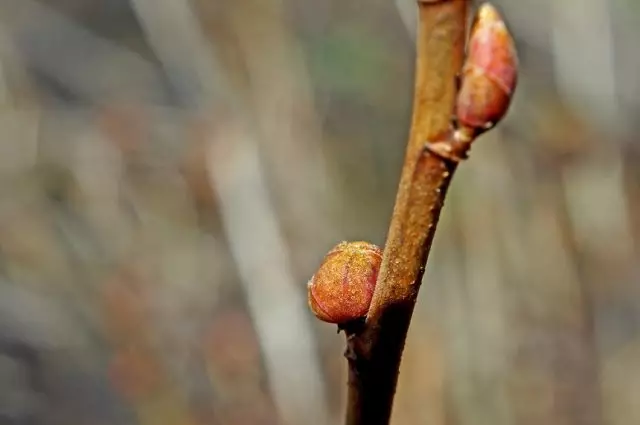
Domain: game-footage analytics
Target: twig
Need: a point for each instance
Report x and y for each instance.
(375, 353)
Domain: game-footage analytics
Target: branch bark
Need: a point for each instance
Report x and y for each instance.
(375, 352)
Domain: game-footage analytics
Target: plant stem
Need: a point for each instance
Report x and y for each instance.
(375, 352)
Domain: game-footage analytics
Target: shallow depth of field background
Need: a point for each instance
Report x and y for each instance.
(172, 172)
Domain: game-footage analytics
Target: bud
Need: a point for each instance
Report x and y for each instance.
(342, 288)
(489, 74)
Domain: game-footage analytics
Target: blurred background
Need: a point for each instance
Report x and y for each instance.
(173, 171)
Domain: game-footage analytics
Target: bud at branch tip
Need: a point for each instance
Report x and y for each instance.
(489, 75)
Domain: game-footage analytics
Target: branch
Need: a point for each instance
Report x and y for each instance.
(376, 351)
(446, 120)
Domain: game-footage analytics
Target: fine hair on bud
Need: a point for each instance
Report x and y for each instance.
(489, 74)
(342, 288)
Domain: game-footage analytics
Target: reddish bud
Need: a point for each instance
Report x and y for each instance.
(342, 288)
(489, 74)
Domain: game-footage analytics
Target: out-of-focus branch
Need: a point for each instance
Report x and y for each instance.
(289, 133)
(256, 243)
(250, 222)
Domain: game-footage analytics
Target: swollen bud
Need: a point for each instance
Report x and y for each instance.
(341, 290)
(489, 74)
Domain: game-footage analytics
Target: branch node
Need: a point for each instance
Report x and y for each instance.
(449, 150)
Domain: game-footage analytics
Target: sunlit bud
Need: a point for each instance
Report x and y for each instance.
(342, 288)
(489, 74)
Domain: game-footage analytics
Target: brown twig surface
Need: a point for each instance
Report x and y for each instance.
(375, 352)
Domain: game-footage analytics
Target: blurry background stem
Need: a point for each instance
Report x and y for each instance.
(278, 311)
(250, 223)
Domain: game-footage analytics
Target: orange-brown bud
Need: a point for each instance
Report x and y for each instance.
(489, 74)
(342, 288)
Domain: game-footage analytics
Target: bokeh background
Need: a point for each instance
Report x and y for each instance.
(172, 172)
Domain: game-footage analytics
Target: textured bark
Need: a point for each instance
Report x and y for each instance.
(375, 353)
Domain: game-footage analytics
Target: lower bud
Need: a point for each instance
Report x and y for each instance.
(341, 290)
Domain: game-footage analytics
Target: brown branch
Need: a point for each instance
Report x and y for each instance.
(431, 158)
